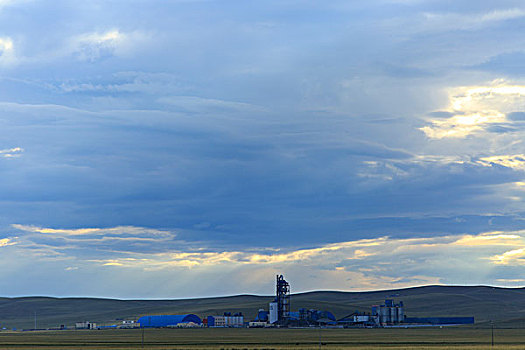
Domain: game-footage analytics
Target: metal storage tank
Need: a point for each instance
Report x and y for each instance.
(393, 315)
(262, 315)
(401, 313)
(384, 314)
(158, 321)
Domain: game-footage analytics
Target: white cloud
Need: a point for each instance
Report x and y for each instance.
(511, 280)
(96, 45)
(439, 159)
(6, 3)
(119, 230)
(200, 104)
(89, 46)
(498, 96)
(136, 82)
(92, 46)
(491, 239)
(354, 265)
(475, 108)
(7, 52)
(67, 243)
(515, 162)
(454, 21)
(381, 170)
(6, 44)
(380, 250)
(11, 152)
(4, 242)
(460, 126)
(511, 257)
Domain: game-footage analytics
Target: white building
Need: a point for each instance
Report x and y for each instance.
(85, 325)
(274, 312)
(236, 320)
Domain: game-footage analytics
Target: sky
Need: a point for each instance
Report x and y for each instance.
(190, 148)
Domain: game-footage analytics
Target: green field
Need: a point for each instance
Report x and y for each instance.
(506, 306)
(421, 338)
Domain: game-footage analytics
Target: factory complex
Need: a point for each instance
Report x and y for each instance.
(279, 314)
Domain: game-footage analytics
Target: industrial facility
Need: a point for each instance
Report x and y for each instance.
(390, 314)
(279, 314)
(384, 315)
(280, 307)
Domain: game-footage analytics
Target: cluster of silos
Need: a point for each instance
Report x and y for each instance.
(389, 313)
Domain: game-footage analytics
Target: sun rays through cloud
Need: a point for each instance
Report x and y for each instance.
(383, 262)
(474, 109)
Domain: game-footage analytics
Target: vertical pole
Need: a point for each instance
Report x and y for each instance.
(492, 333)
(320, 343)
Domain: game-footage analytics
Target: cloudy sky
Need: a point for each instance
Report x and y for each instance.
(183, 148)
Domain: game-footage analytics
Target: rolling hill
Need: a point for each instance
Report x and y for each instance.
(506, 306)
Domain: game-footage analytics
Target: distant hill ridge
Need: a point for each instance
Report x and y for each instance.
(506, 306)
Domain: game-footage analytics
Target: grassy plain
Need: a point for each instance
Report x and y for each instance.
(506, 306)
(370, 339)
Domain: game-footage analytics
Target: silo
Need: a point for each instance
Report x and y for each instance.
(384, 314)
(401, 313)
(393, 314)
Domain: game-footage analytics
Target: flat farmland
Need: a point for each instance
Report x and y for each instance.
(420, 338)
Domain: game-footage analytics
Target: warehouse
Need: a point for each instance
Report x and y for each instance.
(158, 321)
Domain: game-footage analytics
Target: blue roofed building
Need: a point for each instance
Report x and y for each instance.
(158, 321)
(262, 316)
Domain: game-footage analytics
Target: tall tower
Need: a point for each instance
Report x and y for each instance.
(282, 297)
